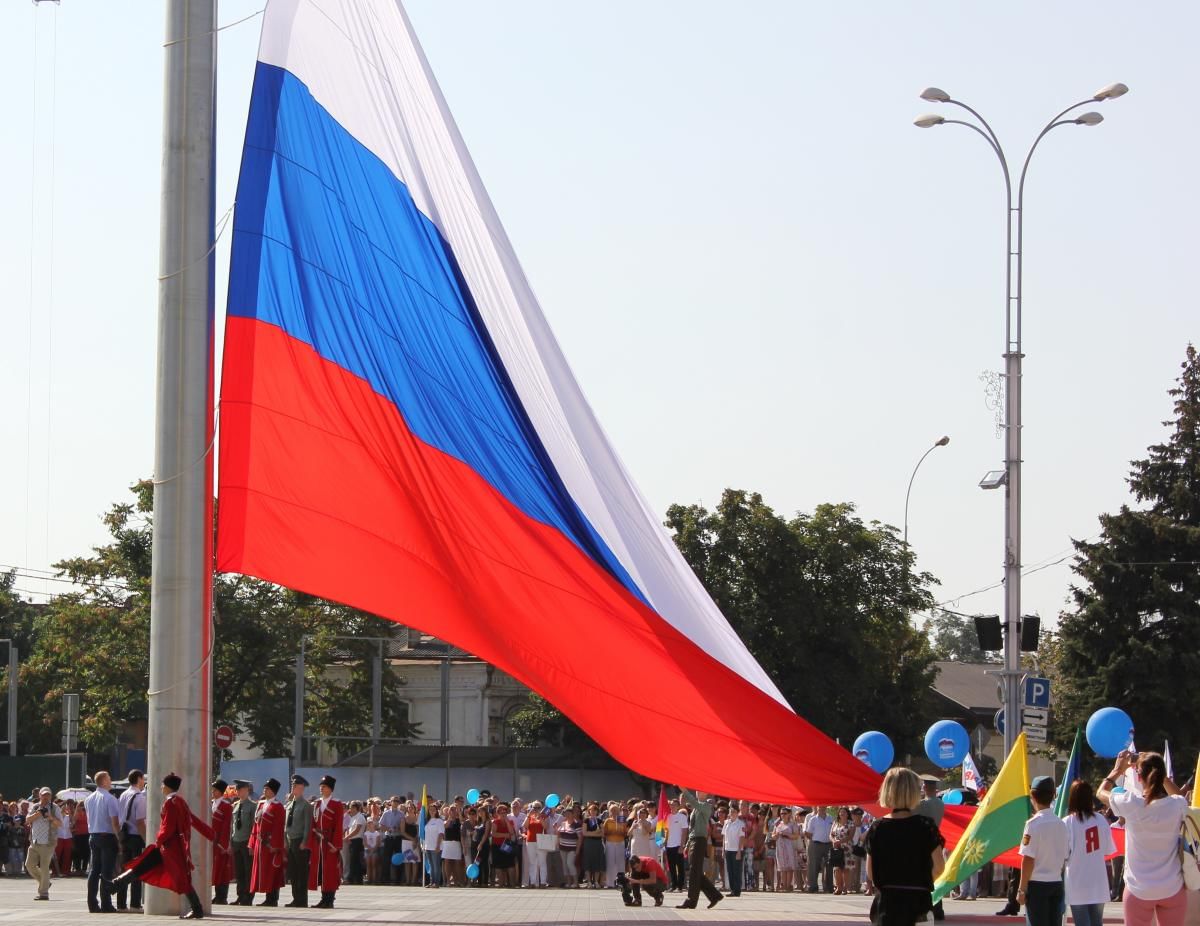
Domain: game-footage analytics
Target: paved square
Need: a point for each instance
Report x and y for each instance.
(454, 907)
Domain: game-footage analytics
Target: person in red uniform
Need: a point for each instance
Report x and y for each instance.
(267, 846)
(222, 856)
(167, 862)
(325, 844)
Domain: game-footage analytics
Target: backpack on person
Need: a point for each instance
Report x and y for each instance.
(1189, 849)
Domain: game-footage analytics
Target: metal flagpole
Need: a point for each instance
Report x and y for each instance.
(181, 586)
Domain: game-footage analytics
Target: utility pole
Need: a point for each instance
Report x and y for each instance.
(181, 632)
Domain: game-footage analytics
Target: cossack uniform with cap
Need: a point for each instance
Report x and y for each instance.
(167, 862)
(325, 857)
(222, 856)
(267, 846)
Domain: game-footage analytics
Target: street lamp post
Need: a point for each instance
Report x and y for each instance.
(1013, 356)
(941, 442)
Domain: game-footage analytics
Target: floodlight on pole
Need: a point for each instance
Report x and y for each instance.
(1010, 476)
(929, 120)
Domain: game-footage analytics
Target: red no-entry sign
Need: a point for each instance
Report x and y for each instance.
(224, 737)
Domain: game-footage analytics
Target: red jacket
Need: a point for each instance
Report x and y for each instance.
(325, 848)
(268, 848)
(173, 842)
(222, 858)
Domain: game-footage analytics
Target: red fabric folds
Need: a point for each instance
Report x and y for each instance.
(324, 489)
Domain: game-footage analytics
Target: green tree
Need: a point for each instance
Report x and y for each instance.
(823, 601)
(1130, 639)
(953, 637)
(95, 640)
(540, 723)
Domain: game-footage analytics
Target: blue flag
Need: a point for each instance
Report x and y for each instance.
(1072, 772)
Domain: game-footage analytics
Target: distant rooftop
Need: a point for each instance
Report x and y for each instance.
(967, 684)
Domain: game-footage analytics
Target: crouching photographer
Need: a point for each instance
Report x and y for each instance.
(645, 874)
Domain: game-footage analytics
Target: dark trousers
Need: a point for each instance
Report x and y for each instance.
(631, 893)
(733, 874)
(1044, 903)
(297, 871)
(697, 879)
(356, 869)
(818, 858)
(242, 865)
(151, 861)
(675, 867)
(103, 848)
(134, 845)
(391, 846)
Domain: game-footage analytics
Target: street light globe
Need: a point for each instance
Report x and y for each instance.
(1111, 92)
(936, 95)
(928, 121)
(1092, 118)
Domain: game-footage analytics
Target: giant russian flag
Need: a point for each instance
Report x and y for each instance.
(400, 431)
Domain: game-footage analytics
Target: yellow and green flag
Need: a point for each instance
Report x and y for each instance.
(1196, 785)
(997, 824)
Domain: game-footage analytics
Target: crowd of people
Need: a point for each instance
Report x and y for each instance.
(719, 847)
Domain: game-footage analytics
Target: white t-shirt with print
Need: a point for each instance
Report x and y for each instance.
(433, 829)
(1089, 842)
(1152, 868)
(1045, 841)
(676, 824)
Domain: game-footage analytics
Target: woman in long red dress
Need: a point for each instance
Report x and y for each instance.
(167, 862)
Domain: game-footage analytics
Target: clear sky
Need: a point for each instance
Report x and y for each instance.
(764, 275)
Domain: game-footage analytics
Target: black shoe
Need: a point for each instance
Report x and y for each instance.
(716, 900)
(686, 905)
(107, 910)
(193, 915)
(296, 903)
(219, 903)
(269, 903)
(1009, 910)
(324, 905)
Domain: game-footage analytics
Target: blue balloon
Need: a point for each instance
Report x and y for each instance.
(947, 743)
(552, 800)
(875, 749)
(473, 796)
(398, 858)
(472, 871)
(952, 797)
(1109, 730)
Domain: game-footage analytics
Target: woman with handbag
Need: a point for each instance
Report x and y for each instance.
(904, 853)
(504, 848)
(1154, 886)
(842, 835)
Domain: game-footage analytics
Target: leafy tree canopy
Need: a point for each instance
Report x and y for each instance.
(953, 638)
(95, 640)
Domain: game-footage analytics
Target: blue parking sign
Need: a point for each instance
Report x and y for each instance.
(1037, 692)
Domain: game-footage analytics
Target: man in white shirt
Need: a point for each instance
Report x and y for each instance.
(677, 833)
(103, 826)
(1043, 854)
(733, 836)
(817, 829)
(132, 810)
(44, 821)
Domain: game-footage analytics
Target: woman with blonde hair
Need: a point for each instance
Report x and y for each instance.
(904, 853)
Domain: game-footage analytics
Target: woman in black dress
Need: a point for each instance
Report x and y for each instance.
(904, 853)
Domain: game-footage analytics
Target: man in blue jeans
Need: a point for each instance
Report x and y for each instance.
(103, 826)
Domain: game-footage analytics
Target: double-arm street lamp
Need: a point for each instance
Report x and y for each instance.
(1012, 376)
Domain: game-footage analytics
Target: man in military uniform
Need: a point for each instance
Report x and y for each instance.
(239, 841)
(297, 830)
(325, 866)
(222, 859)
(267, 845)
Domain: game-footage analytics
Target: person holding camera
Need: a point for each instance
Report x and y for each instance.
(44, 821)
(645, 874)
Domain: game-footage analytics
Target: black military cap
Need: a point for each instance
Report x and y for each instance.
(299, 780)
(219, 784)
(240, 783)
(328, 781)
(172, 781)
(272, 785)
